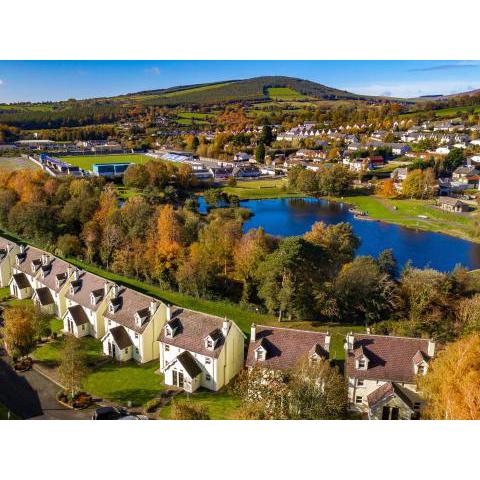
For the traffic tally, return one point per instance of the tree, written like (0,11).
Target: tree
(72,368)
(260,152)
(386,188)
(455,158)
(136,176)
(69,245)
(452,383)
(188,410)
(334,181)
(266,135)
(419,184)
(19,330)
(387,262)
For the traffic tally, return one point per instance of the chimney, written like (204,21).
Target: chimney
(45,258)
(253,333)
(431,349)
(153,308)
(115,290)
(22,248)
(76,274)
(327,341)
(349,342)
(69,271)
(225,326)
(169,312)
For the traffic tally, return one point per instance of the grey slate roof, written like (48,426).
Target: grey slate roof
(120,337)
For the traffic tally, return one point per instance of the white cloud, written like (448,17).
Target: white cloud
(154,70)
(414,89)
(1,81)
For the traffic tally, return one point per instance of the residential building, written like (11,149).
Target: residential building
(382,373)
(8,250)
(85,299)
(51,284)
(451,204)
(133,322)
(280,348)
(199,350)
(28,261)
(462,174)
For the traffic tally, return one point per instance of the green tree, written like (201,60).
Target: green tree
(260,152)
(72,368)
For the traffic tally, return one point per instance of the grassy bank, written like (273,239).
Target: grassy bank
(406,213)
(262,189)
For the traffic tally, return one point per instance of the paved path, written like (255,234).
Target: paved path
(30,395)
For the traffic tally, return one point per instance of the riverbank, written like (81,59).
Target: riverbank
(262,189)
(407,213)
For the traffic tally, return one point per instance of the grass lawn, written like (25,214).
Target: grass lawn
(406,214)
(4,293)
(50,353)
(124,382)
(56,325)
(221,405)
(86,161)
(261,189)
(284,93)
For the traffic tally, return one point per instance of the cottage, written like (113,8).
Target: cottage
(241,157)
(8,250)
(382,373)
(462,174)
(451,204)
(132,324)
(51,284)
(85,302)
(28,261)
(199,350)
(279,348)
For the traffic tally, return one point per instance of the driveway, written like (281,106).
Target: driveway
(31,396)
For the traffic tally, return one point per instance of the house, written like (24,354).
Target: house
(85,302)
(200,350)
(464,174)
(8,250)
(399,148)
(28,261)
(244,171)
(133,322)
(51,284)
(280,348)
(382,373)
(241,157)
(451,204)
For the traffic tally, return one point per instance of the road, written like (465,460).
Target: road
(31,396)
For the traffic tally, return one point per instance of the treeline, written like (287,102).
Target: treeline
(66,134)
(334,180)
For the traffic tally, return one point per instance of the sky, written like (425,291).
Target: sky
(59,80)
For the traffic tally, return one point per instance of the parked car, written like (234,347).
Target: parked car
(109,413)
(134,417)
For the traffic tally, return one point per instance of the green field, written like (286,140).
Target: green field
(258,189)
(187,91)
(284,93)
(407,211)
(86,161)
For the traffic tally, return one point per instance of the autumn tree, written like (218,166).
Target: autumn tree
(452,384)
(19,330)
(419,184)
(72,368)
(386,188)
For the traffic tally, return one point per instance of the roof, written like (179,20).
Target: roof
(5,244)
(285,346)
(390,358)
(390,390)
(44,296)
(87,282)
(21,280)
(450,201)
(192,329)
(129,303)
(120,337)
(57,267)
(78,315)
(189,364)
(31,254)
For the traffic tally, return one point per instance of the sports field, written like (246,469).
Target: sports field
(86,161)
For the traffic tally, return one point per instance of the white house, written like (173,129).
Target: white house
(133,322)
(85,301)
(199,350)
(382,373)
(28,261)
(8,250)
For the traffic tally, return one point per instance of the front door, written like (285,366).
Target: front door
(177,379)
(70,326)
(180,379)
(113,349)
(395,412)
(174,377)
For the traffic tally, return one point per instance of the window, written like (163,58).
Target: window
(137,351)
(360,382)
(209,344)
(361,363)
(416,406)
(167,348)
(109,322)
(208,377)
(358,399)
(136,335)
(421,370)
(126,350)
(207,361)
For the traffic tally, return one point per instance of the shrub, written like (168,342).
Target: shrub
(187,410)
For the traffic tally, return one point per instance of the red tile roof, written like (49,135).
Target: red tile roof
(390,358)
(285,346)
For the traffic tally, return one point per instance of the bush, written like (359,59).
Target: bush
(187,410)
(152,405)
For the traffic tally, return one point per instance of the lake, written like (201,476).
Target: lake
(295,216)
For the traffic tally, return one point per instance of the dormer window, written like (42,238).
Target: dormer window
(111,308)
(209,343)
(260,354)
(361,364)
(92,299)
(421,370)
(169,331)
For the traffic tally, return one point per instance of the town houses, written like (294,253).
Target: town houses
(382,373)
(200,351)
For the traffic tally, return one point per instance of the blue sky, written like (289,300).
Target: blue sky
(57,80)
